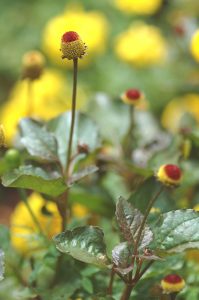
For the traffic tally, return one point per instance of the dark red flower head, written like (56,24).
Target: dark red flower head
(173,172)
(133,94)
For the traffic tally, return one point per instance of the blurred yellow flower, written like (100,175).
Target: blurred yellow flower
(196,207)
(142,7)
(194,46)
(51,95)
(79,211)
(92,26)
(193,254)
(141,45)
(24,231)
(177,108)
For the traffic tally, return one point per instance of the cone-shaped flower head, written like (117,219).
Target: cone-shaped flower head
(132,96)
(172,283)
(72,46)
(169,175)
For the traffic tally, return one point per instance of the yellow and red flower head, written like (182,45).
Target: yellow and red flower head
(172,283)
(72,46)
(132,96)
(169,175)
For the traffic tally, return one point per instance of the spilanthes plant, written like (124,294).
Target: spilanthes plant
(106,197)
(92,26)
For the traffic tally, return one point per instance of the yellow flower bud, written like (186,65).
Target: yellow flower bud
(172,284)
(132,97)
(33,64)
(169,175)
(72,46)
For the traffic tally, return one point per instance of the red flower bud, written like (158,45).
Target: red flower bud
(169,175)
(172,283)
(132,96)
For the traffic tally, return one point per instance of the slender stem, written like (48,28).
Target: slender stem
(139,266)
(132,282)
(151,203)
(127,292)
(144,270)
(127,142)
(17,273)
(62,203)
(128,288)
(24,199)
(63,199)
(29,109)
(70,142)
(110,287)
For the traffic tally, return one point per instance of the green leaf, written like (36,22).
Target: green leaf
(1,265)
(35,178)
(103,108)
(177,231)
(87,285)
(85,132)
(61,291)
(122,257)
(94,199)
(130,220)
(115,185)
(84,243)
(24,294)
(90,270)
(82,173)
(4,238)
(37,140)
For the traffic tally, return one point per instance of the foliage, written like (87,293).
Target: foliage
(119,228)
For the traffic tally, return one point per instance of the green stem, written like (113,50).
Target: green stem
(132,282)
(150,205)
(24,199)
(127,292)
(127,142)
(144,270)
(129,286)
(110,287)
(29,111)
(74,94)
